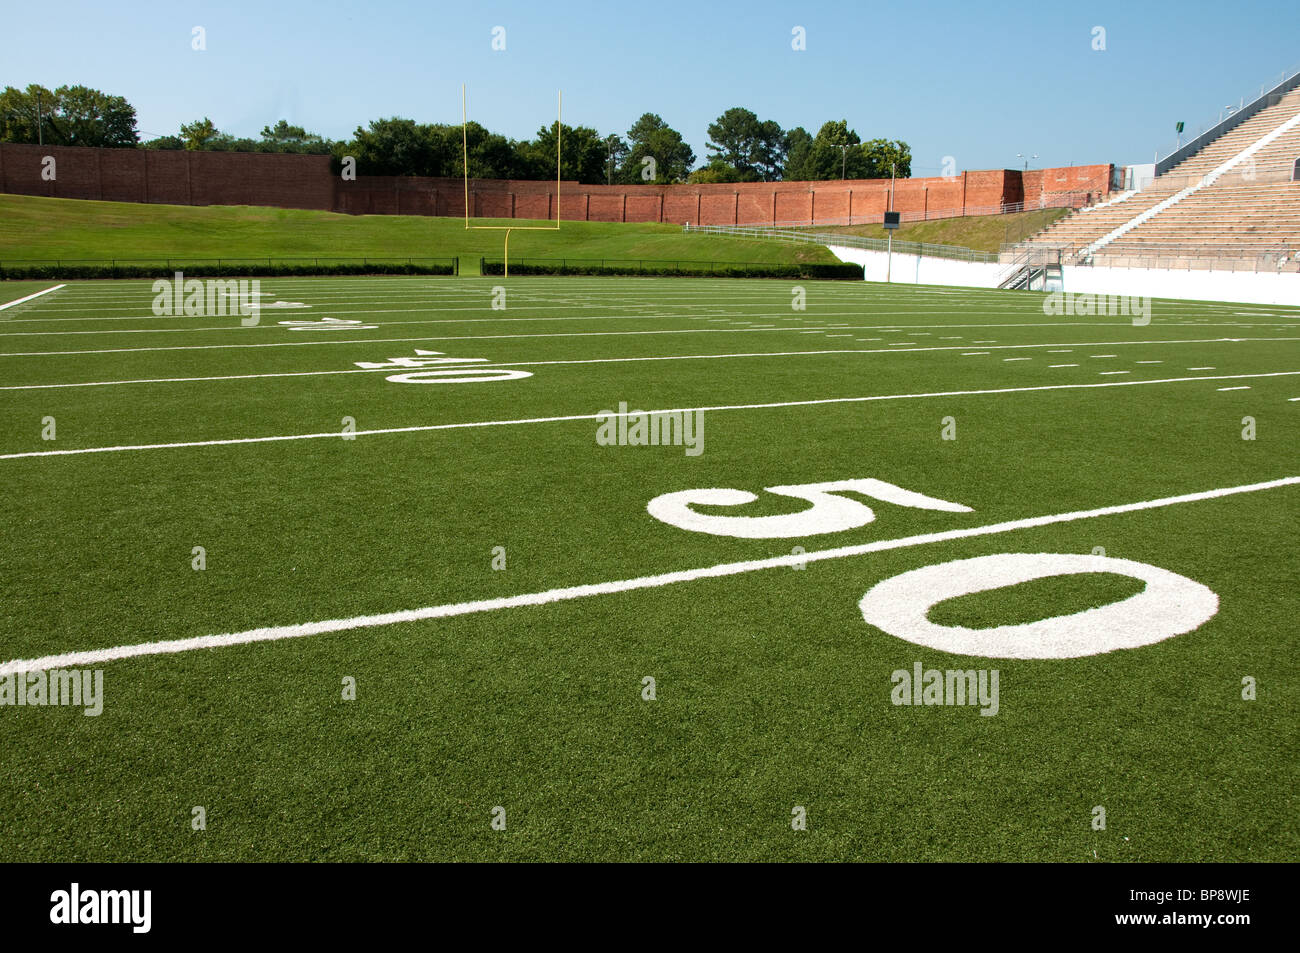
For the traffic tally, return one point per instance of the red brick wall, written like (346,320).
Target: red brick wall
(180,178)
(288,181)
(1050,183)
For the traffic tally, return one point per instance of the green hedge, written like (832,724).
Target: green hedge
(57,270)
(680,269)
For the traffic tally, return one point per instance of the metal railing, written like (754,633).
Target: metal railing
(924,249)
(1163,256)
(1027,261)
(1173,257)
(1069,200)
(659,265)
(1210,130)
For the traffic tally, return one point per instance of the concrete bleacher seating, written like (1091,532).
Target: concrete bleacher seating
(1249,216)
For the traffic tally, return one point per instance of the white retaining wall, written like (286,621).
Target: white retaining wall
(1246,287)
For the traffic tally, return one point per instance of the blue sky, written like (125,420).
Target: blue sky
(978,82)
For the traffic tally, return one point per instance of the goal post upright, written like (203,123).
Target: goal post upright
(559,133)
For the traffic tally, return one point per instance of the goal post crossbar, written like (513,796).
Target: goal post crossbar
(559,128)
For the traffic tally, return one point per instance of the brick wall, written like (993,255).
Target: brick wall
(289,181)
(174,178)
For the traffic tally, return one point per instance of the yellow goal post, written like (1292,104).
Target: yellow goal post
(464,135)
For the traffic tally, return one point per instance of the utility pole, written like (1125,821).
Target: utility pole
(844,158)
(40,137)
(889,258)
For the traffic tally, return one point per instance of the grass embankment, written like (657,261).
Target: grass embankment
(34,227)
(981,232)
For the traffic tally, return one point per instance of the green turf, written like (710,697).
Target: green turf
(772,691)
(33,227)
(981,232)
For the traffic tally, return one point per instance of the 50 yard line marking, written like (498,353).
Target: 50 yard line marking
(276,633)
(425,428)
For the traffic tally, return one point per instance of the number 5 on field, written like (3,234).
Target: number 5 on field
(829,513)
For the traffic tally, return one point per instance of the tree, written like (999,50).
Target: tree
(798,153)
(68,116)
(164,142)
(880,153)
(394,146)
(491,155)
(199,134)
(716,171)
(616,149)
(283,137)
(837,151)
(18,112)
(583,154)
(754,148)
(652,138)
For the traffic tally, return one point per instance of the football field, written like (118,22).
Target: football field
(397,573)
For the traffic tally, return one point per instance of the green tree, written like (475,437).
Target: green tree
(616,151)
(68,116)
(837,151)
(491,155)
(283,137)
(880,153)
(716,171)
(651,137)
(798,153)
(583,154)
(753,147)
(396,146)
(164,142)
(199,134)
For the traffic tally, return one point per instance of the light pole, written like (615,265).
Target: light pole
(1021,155)
(889,258)
(40,138)
(844,158)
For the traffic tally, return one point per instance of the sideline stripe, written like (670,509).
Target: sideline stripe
(424,428)
(30,297)
(275,633)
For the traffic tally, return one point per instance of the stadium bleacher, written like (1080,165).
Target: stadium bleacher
(1247,217)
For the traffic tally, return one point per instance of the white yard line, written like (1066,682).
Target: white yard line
(335,435)
(601,360)
(613,317)
(449,610)
(18,301)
